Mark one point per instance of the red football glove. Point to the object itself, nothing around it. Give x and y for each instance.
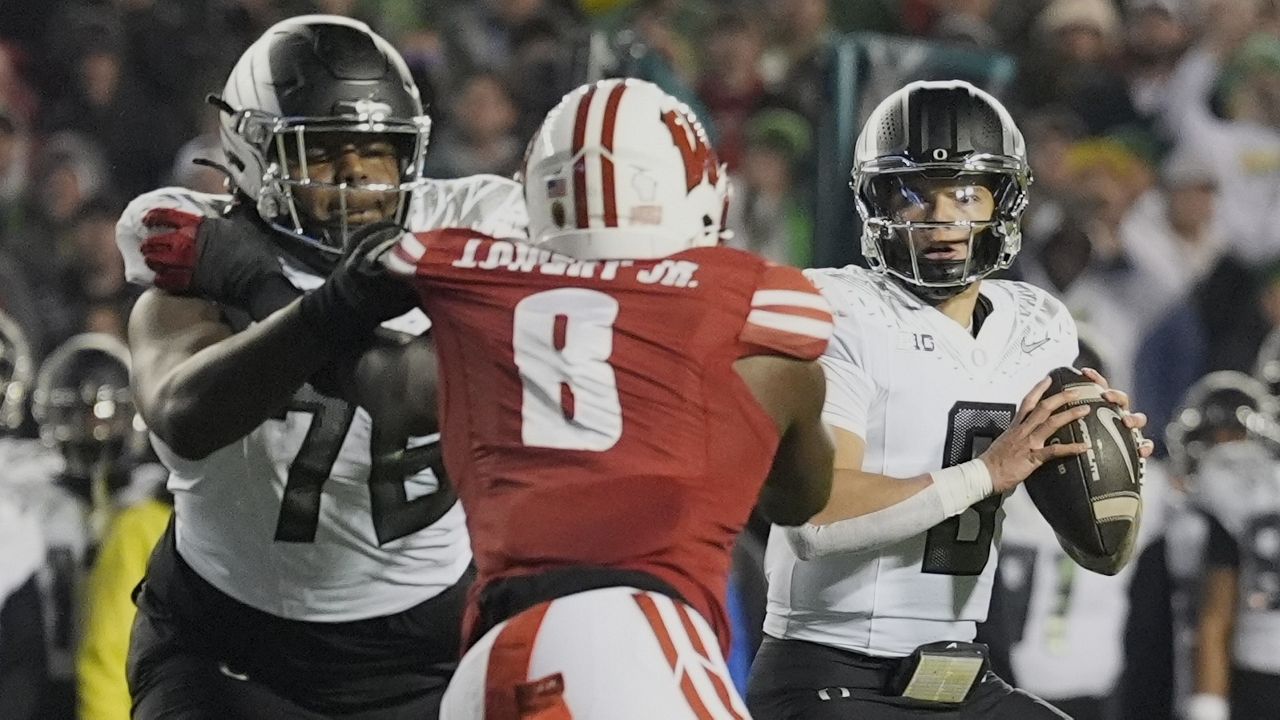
(229, 260)
(173, 254)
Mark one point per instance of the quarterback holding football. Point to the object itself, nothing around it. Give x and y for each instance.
(940, 402)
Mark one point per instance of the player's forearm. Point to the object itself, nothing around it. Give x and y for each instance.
(1213, 634)
(936, 497)
(855, 493)
(224, 391)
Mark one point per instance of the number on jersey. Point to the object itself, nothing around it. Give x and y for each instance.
(394, 514)
(562, 341)
(1260, 562)
(961, 545)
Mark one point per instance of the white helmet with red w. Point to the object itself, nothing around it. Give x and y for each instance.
(620, 169)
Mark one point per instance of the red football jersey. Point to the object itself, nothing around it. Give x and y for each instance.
(591, 413)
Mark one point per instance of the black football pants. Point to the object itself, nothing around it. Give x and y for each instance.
(795, 680)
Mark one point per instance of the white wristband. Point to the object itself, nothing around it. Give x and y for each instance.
(960, 486)
(1204, 706)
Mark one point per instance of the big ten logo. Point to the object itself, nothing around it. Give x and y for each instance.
(671, 273)
(700, 161)
(916, 341)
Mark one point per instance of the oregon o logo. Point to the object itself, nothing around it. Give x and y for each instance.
(940, 154)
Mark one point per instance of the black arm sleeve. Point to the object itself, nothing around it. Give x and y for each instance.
(1221, 549)
(23, 666)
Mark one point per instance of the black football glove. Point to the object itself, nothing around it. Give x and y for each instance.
(360, 293)
(229, 260)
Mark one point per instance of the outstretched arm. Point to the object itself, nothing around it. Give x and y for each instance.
(792, 392)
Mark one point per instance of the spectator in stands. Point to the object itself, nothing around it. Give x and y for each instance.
(966, 22)
(478, 34)
(1243, 73)
(1157, 32)
(768, 215)
(1172, 234)
(1050, 134)
(794, 64)
(138, 135)
(14, 152)
(731, 86)
(1074, 64)
(480, 136)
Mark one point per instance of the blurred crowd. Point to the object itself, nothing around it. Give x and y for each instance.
(1152, 124)
(1153, 128)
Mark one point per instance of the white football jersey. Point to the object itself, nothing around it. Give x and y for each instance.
(30, 479)
(924, 393)
(295, 519)
(1067, 623)
(1238, 484)
(23, 543)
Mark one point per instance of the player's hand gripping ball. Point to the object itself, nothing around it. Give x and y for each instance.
(1092, 500)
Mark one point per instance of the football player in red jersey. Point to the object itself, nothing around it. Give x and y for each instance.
(617, 395)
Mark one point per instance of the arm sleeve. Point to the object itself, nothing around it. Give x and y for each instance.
(788, 316)
(1221, 550)
(100, 662)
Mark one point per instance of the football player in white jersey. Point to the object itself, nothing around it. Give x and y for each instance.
(935, 382)
(317, 564)
(1237, 489)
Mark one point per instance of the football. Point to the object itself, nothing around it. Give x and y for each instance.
(1093, 500)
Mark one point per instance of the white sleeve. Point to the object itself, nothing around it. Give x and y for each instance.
(130, 232)
(849, 386)
(488, 204)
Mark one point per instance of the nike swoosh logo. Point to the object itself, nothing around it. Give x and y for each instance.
(1030, 346)
(1109, 418)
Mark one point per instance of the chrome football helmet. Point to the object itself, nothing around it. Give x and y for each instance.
(931, 133)
(83, 405)
(17, 371)
(1221, 407)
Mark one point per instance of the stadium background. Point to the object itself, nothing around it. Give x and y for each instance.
(1153, 128)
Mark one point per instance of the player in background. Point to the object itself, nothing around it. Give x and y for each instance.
(929, 367)
(1168, 575)
(23, 668)
(297, 518)
(86, 466)
(121, 562)
(613, 395)
(1237, 488)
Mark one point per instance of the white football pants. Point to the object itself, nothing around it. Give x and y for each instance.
(610, 654)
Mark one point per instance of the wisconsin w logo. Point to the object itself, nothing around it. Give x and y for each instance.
(700, 161)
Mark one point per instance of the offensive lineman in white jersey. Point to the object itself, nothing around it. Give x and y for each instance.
(318, 563)
(873, 604)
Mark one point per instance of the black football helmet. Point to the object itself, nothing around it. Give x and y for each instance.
(83, 405)
(317, 74)
(925, 133)
(1221, 407)
(17, 371)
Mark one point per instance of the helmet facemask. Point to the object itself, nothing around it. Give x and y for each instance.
(283, 148)
(896, 201)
